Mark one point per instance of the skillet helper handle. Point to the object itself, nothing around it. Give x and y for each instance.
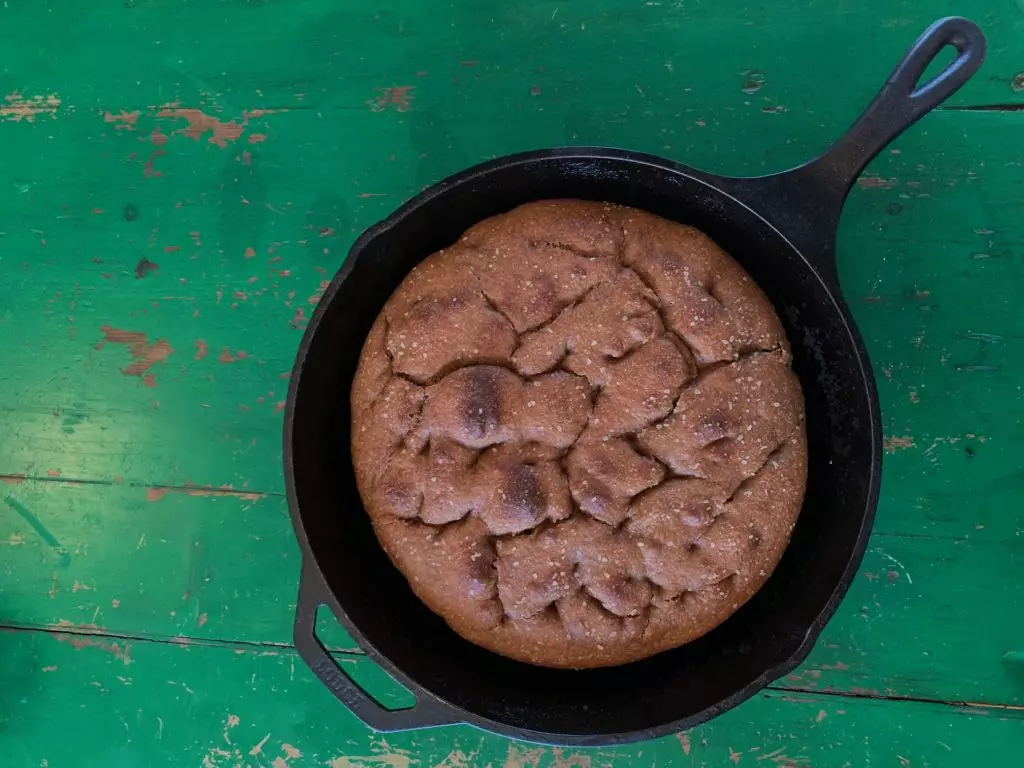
(426, 713)
(902, 102)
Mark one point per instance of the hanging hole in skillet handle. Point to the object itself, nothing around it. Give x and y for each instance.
(426, 713)
(904, 99)
(805, 202)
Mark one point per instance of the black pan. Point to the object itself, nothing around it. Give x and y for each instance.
(782, 229)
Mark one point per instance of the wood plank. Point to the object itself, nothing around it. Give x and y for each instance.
(189, 563)
(74, 398)
(160, 562)
(163, 704)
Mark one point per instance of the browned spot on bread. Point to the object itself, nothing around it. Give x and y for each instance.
(480, 407)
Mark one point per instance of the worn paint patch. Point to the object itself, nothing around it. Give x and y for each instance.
(458, 759)
(123, 120)
(256, 750)
(384, 756)
(897, 443)
(17, 107)
(148, 171)
(120, 651)
(155, 494)
(397, 98)
(561, 760)
(145, 354)
(365, 761)
(227, 357)
(201, 349)
(875, 182)
(158, 492)
(318, 294)
(684, 742)
(200, 123)
(523, 758)
(224, 490)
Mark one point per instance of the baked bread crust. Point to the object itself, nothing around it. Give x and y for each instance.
(577, 433)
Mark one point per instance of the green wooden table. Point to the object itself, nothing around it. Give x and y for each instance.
(179, 180)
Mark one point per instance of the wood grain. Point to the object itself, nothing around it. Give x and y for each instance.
(181, 179)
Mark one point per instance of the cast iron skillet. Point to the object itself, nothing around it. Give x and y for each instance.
(782, 230)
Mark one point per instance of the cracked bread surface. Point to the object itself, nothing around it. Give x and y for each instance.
(578, 435)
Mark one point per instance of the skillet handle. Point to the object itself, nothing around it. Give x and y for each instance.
(902, 102)
(805, 202)
(426, 713)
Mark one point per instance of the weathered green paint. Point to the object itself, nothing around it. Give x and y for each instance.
(144, 704)
(142, 254)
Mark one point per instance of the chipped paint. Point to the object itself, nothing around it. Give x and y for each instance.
(684, 742)
(199, 123)
(89, 640)
(148, 171)
(145, 354)
(576, 760)
(897, 443)
(875, 182)
(123, 120)
(224, 490)
(523, 758)
(318, 294)
(18, 107)
(156, 494)
(226, 357)
(384, 756)
(256, 750)
(384, 761)
(397, 98)
(458, 759)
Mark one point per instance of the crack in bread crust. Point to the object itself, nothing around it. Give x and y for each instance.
(578, 435)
